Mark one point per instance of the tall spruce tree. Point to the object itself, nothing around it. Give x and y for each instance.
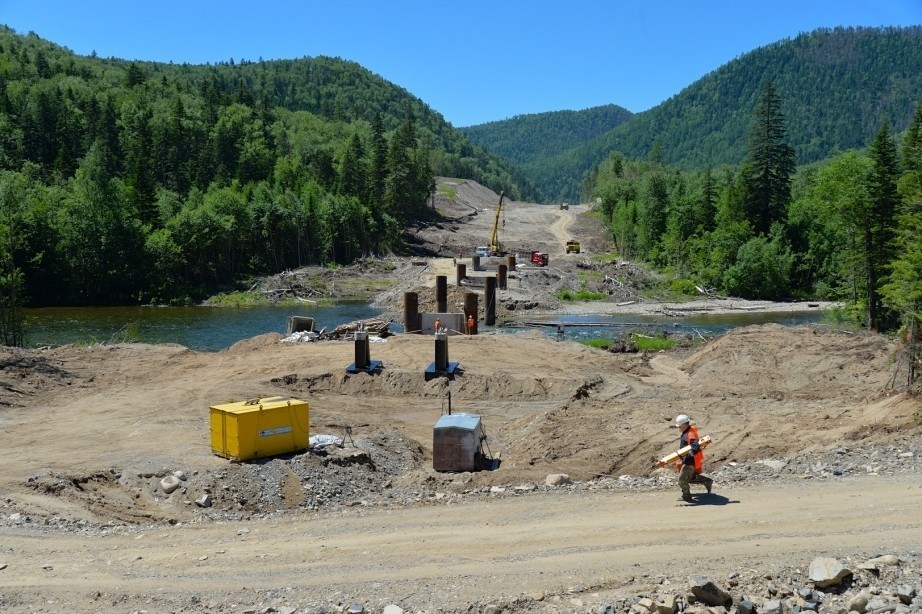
(912, 142)
(911, 183)
(885, 202)
(769, 165)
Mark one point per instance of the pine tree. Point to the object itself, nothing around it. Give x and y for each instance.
(352, 172)
(912, 143)
(769, 164)
(134, 76)
(378, 171)
(377, 176)
(885, 201)
(708, 204)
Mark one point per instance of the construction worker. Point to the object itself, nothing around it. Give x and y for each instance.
(438, 324)
(470, 325)
(691, 465)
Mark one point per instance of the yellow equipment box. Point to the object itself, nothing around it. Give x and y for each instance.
(259, 428)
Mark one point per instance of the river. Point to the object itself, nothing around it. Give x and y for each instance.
(217, 328)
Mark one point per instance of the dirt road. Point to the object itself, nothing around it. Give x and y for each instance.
(498, 550)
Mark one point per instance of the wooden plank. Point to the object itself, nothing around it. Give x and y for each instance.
(671, 458)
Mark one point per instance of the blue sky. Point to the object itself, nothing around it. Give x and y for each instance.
(472, 61)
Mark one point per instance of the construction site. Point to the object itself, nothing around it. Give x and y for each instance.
(454, 467)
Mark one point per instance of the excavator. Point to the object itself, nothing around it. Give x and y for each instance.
(494, 246)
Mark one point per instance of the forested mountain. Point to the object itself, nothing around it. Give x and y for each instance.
(836, 86)
(125, 182)
(526, 138)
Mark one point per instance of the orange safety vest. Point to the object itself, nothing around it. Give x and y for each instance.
(685, 440)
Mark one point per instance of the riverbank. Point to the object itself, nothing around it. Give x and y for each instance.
(695, 307)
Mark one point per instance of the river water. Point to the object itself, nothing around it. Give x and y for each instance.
(217, 328)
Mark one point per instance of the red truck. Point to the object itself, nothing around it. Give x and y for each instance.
(539, 258)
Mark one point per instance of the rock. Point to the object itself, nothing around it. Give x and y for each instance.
(666, 605)
(709, 593)
(773, 606)
(356, 608)
(825, 572)
(903, 592)
(746, 606)
(170, 483)
(646, 603)
(392, 609)
(557, 479)
(880, 561)
(204, 501)
(774, 465)
(859, 603)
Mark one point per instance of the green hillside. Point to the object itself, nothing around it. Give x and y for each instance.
(126, 182)
(526, 138)
(836, 86)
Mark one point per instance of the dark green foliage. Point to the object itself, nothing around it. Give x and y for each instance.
(150, 182)
(526, 138)
(13, 193)
(837, 87)
(762, 269)
(768, 166)
(885, 202)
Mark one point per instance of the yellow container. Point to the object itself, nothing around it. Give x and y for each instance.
(259, 428)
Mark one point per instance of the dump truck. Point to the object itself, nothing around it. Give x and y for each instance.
(573, 246)
(539, 258)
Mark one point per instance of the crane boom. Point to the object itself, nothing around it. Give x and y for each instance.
(494, 246)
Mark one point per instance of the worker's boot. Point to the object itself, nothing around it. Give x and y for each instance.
(687, 498)
(708, 482)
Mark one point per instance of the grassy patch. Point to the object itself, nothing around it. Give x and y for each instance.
(683, 287)
(238, 299)
(608, 257)
(599, 344)
(653, 344)
(582, 295)
(449, 192)
(848, 317)
(589, 275)
(362, 289)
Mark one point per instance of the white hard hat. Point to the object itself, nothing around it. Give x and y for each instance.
(681, 419)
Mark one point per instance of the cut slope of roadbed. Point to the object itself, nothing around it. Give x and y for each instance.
(838, 579)
(368, 476)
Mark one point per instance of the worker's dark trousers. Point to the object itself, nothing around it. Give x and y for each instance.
(688, 476)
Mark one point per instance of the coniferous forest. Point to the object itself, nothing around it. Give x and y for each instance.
(136, 182)
(127, 183)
